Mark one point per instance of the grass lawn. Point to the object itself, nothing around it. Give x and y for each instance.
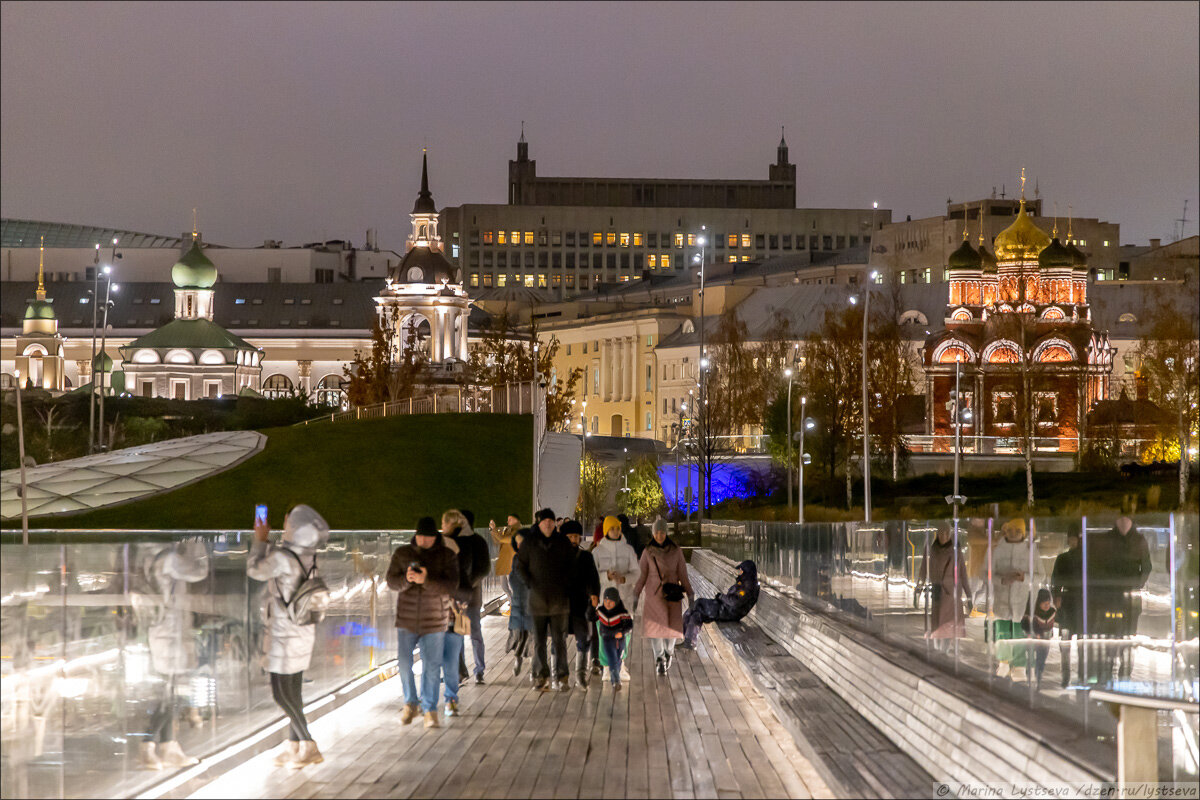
(369, 474)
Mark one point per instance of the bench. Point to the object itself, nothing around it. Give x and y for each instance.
(851, 755)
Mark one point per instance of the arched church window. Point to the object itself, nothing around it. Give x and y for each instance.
(1053, 313)
(1127, 317)
(277, 386)
(1004, 407)
(961, 315)
(1055, 353)
(329, 392)
(953, 354)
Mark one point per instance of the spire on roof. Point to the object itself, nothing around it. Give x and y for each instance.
(782, 137)
(522, 139)
(1070, 213)
(424, 204)
(981, 219)
(1054, 232)
(41, 289)
(195, 229)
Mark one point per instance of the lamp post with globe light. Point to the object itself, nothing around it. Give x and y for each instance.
(21, 456)
(806, 423)
(700, 413)
(108, 303)
(866, 408)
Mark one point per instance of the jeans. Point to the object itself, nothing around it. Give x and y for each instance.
(614, 649)
(556, 626)
(432, 647)
(451, 652)
(661, 647)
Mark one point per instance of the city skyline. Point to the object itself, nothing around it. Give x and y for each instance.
(309, 126)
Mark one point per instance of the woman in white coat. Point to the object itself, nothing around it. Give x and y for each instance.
(1014, 585)
(284, 566)
(617, 564)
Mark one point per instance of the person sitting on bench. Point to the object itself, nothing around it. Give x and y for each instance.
(729, 607)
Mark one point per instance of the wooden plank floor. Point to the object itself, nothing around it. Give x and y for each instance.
(701, 731)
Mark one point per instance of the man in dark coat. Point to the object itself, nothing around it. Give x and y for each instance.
(474, 564)
(585, 595)
(1118, 568)
(731, 606)
(1067, 582)
(546, 563)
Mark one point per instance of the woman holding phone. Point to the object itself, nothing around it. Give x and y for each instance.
(284, 566)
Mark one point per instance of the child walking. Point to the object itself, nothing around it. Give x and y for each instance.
(614, 623)
(1041, 626)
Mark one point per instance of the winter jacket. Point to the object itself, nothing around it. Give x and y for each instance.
(585, 583)
(167, 571)
(283, 566)
(742, 595)
(613, 622)
(1012, 599)
(519, 618)
(618, 556)
(1118, 566)
(1066, 580)
(503, 537)
(423, 608)
(546, 563)
(945, 602)
(662, 620)
(474, 564)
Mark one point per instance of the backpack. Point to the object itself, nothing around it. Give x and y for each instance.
(311, 599)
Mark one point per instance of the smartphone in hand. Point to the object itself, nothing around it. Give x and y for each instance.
(260, 515)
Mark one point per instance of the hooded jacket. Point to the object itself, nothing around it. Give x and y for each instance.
(423, 608)
(283, 566)
(546, 563)
(1013, 599)
(168, 569)
(742, 595)
(474, 564)
(618, 556)
(614, 621)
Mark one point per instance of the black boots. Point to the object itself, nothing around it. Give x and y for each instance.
(581, 669)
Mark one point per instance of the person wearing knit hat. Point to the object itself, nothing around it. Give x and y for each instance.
(545, 563)
(617, 565)
(614, 624)
(585, 595)
(1014, 590)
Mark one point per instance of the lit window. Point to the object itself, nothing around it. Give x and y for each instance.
(745, 258)
(624, 240)
(454, 251)
(529, 281)
(927, 278)
(528, 237)
(501, 279)
(733, 259)
(541, 281)
(733, 240)
(637, 240)
(597, 238)
(474, 279)
(649, 421)
(487, 279)
(679, 240)
(1106, 242)
(745, 240)
(664, 261)
(1083, 242)
(691, 240)
(501, 240)
(610, 238)
(653, 260)
(489, 238)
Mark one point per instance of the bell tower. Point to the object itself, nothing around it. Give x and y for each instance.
(520, 172)
(782, 171)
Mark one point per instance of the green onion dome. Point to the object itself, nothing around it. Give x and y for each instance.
(102, 362)
(965, 257)
(39, 309)
(988, 260)
(194, 270)
(1055, 256)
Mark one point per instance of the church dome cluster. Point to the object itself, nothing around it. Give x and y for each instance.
(1021, 241)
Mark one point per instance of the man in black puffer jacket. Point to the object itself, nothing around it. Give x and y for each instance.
(545, 562)
(731, 606)
(585, 596)
(474, 564)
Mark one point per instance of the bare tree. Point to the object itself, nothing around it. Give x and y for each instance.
(1170, 359)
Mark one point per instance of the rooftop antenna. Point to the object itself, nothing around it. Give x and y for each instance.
(1037, 193)
(981, 218)
(195, 230)
(1003, 189)
(1182, 223)
(1070, 222)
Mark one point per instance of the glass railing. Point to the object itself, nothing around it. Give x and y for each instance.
(1029, 609)
(100, 655)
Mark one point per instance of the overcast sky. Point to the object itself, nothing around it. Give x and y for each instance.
(306, 122)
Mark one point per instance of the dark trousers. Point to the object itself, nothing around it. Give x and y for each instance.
(162, 715)
(286, 691)
(706, 609)
(584, 632)
(614, 651)
(556, 626)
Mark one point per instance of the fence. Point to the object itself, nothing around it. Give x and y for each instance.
(511, 398)
(95, 651)
(965, 597)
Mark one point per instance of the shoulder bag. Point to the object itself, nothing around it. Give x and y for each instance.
(672, 592)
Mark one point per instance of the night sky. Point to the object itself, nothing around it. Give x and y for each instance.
(306, 122)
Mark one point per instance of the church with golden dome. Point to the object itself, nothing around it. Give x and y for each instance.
(1018, 334)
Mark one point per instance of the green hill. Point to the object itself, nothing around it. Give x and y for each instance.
(369, 474)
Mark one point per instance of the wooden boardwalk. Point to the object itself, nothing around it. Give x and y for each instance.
(701, 731)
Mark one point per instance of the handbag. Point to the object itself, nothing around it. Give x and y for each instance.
(462, 623)
(672, 592)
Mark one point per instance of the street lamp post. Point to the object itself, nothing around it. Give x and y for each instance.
(805, 423)
(866, 408)
(103, 343)
(21, 455)
(788, 373)
(92, 363)
(701, 412)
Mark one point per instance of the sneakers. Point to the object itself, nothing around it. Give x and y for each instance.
(1002, 669)
(563, 685)
(668, 660)
(287, 752)
(540, 684)
(617, 687)
(451, 708)
(660, 665)
(596, 668)
(431, 720)
(517, 666)
(479, 679)
(307, 753)
(1018, 674)
(147, 758)
(172, 755)
(409, 713)
(624, 672)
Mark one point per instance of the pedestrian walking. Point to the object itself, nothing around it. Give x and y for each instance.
(474, 562)
(520, 623)
(1013, 596)
(503, 537)
(731, 606)
(584, 596)
(944, 571)
(425, 575)
(617, 566)
(614, 624)
(287, 567)
(545, 562)
(1039, 626)
(661, 586)
(1066, 583)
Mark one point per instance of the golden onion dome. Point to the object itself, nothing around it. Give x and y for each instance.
(1021, 241)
